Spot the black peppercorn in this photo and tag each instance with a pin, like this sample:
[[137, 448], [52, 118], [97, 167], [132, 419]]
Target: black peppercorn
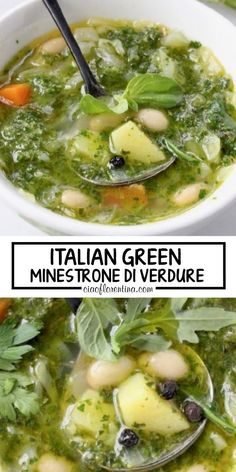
[[128, 438], [193, 412], [117, 161], [168, 389]]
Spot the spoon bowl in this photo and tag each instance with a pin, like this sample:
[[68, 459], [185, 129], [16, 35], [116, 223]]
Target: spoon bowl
[[119, 178], [178, 450], [136, 462]]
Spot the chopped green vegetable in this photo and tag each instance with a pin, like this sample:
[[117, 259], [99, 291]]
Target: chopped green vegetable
[[185, 156]]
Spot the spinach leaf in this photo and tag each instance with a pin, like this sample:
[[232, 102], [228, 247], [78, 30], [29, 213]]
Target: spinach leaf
[[154, 90], [92, 319], [184, 156], [202, 319]]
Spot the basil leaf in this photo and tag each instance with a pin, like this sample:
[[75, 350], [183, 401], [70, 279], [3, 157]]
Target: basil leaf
[[93, 106], [96, 106], [184, 156], [150, 342], [202, 319], [92, 319], [154, 90]]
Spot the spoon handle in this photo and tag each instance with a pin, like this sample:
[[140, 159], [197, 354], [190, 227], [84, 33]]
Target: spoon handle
[[74, 303], [91, 85]]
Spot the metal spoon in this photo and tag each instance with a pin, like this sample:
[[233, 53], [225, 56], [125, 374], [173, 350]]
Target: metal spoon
[[120, 179], [94, 88], [177, 450], [91, 85]]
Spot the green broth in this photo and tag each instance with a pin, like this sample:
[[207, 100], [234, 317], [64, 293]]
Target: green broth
[[26, 440], [38, 141]]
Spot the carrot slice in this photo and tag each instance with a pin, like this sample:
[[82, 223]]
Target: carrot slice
[[4, 305], [125, 197], [15, 94]]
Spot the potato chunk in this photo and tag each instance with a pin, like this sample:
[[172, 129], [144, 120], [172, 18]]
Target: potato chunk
[[51, 463], [140, 403], [129, 140], [198, 468], [88, 416]]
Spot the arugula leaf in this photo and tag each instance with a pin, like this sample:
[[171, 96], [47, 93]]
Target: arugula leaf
[[150, 342], [184, 156], [120, 335], [164, 319], [202, 319], [12, 339], [15, 397], [154, 90], [177, 304], [135, 306], [92, 319]]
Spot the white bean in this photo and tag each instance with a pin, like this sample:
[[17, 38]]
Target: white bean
[[53, 46], [51, 463], [105, 121], [152, 119], [75, 199], [168, 364], [197, 468], [187, 195], [106, 374]]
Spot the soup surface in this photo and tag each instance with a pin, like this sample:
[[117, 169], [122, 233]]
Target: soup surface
[[167, 97], [135, 388]]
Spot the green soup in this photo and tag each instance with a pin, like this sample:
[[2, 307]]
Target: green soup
[[62, 376], [184, 107]]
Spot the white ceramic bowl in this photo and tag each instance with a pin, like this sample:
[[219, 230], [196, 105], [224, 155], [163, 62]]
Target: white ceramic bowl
[[30, 20]]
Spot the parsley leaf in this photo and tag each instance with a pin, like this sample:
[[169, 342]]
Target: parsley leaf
[[12, 339], [15, 397]]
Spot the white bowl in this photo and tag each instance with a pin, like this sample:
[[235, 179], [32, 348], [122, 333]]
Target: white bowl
[[30, 20]]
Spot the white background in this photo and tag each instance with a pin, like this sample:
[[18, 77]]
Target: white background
[[11, 224], [195, 258]]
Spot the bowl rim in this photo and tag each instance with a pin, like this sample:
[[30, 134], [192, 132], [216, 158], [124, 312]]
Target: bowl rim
[[198, 214]]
